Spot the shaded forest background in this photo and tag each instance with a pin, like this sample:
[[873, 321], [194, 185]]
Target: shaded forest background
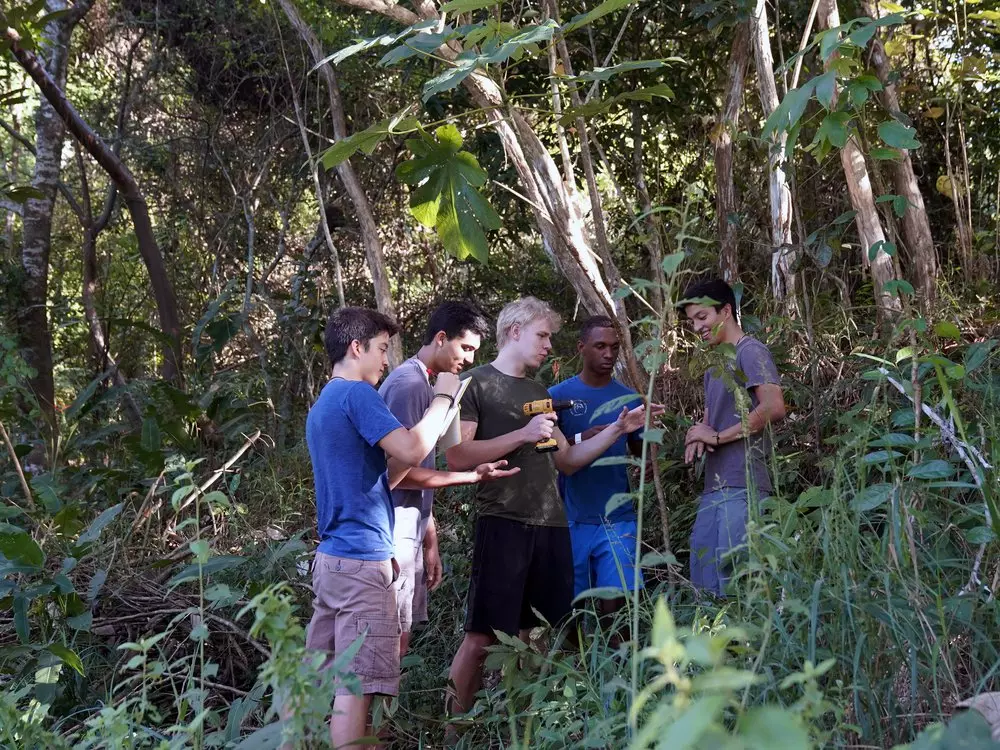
[[190, 187]]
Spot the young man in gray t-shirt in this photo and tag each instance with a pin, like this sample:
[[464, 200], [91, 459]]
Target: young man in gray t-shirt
[[742, 398], [454, 333]]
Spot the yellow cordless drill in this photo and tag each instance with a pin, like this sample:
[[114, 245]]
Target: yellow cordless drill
[[546, 406]]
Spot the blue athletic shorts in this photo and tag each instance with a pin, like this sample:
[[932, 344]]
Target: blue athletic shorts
[[603, 555]]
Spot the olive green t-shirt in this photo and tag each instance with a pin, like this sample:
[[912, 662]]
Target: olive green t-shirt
[[495, 402]]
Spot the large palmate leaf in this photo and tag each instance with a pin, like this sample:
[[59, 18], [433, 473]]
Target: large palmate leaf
[[447, 197]]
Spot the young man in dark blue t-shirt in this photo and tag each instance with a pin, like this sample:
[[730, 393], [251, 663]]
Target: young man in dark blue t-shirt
[[604, 541], [360, 452]]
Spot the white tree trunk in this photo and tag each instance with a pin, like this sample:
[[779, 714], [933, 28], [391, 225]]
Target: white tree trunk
[[782, 252], [859, 186]]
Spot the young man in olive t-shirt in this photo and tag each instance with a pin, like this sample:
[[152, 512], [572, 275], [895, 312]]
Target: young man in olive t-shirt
[[522, 559]]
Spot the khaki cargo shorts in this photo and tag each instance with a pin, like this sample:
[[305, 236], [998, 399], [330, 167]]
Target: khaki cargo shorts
[[354, 598]]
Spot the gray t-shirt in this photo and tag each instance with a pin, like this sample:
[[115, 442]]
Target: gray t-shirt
[[408, 393], [727, 465]]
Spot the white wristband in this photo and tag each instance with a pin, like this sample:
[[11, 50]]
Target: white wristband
[[577, 439]]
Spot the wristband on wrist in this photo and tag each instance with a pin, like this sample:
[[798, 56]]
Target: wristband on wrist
[[577, 439], [451, 399], [717, 442]]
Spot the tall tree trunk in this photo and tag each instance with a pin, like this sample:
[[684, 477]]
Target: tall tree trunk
[[783, 254], [352, 184], [860, 188], [33, 320], [915, 224], [725, 189], [561, 228], [163, 292], [655, 243]]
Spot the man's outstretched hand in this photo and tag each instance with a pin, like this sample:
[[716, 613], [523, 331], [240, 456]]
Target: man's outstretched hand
[[490, 472], [632, 420]]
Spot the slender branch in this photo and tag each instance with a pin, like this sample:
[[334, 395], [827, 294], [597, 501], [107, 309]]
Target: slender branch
[[17, 466], [965, 452], [802, 44]]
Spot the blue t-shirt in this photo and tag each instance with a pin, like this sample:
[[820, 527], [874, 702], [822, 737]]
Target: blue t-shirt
[[586, 493], [354, 513]]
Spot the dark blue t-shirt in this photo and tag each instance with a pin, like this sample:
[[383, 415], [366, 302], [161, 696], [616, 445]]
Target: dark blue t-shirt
[[354, 512], [587, 492]]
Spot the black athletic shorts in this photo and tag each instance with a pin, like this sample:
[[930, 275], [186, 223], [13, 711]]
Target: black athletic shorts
[[517, 567]]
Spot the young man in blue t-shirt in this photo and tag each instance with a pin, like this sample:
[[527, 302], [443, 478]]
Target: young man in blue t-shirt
[[359, 452], [604, 541]]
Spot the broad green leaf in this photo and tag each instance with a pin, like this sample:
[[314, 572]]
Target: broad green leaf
[[862, 35], [468, 62], [934, 469], [834, 129], [899, 205], [20, 547], [449, 200], [789, 110], [894, 440], [896, 134], [21, 624], [420, 45], [872, 497], [980, 535], [604, 74], [380, 41], [604, 593], [367, 140], [770, 727], [977, 354], [899, 287], [66, 656], [672, 262], [201, 550], [826, 88], [829, 43], [214, 565], [947, 330], [691, 725], [647, 94], [605, 8], [150, 440], [884, 154], [97, 525], [881, 457], [464, 6]]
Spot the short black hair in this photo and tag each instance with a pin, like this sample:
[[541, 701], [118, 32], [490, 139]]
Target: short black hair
[[347, 324], [455, 318], [592, 323], [714, 289]]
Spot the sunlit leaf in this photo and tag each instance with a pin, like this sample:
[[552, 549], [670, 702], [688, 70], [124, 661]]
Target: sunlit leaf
[[605, 8], [947, 330], [896, 134]]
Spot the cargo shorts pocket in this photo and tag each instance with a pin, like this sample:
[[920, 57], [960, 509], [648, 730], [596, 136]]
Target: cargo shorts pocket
[[378, 656]]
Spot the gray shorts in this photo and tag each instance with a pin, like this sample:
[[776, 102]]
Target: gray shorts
[[719, 527], [411, 587]]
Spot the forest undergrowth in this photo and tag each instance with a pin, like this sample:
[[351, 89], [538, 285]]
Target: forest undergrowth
[[156, 585]]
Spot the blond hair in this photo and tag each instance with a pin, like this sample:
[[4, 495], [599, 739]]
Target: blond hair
[[522, 312]]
